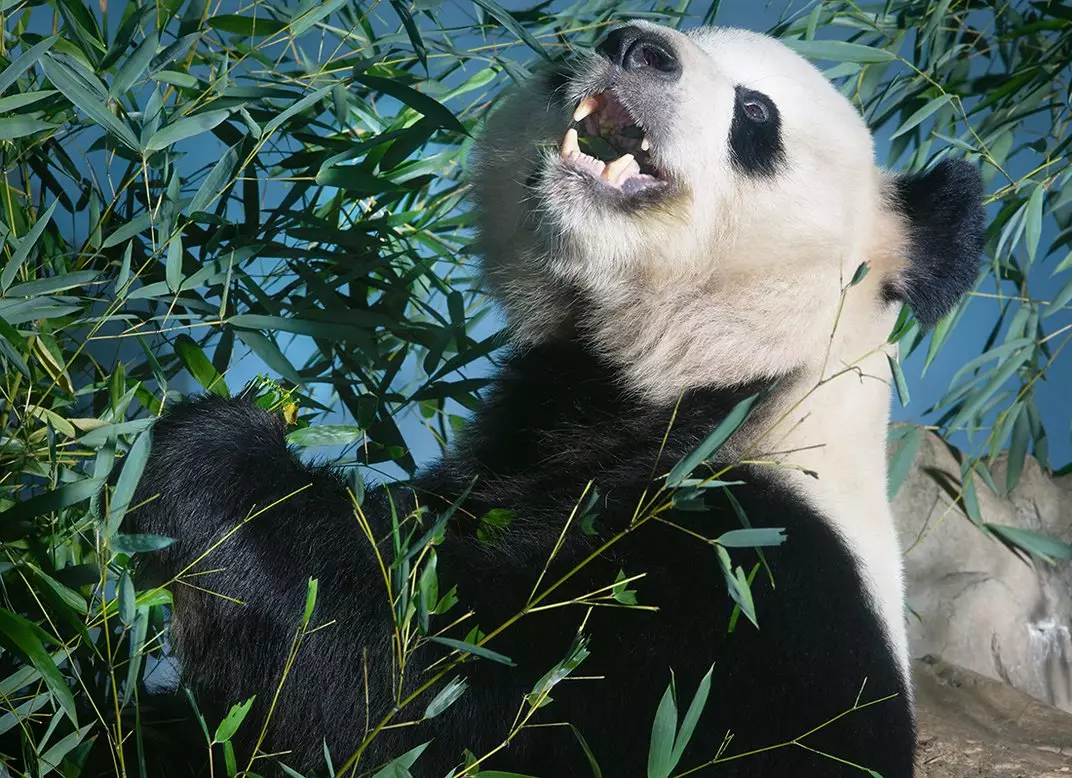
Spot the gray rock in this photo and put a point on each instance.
(974, 602)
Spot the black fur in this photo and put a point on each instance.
(756, 147)
(555, 420)
(944, 210)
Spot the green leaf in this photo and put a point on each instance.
(1033, 542)
(898, 379)
(21, 126)
(860, 274)
(22, 99)
(53, 757)
(304, 19)
(711, 444)
(26, 245)
(63, 497)
(295, 109)
(28, 638)
(325, 435)
(429, 107)
(60, 283)
(65, 81)
(839, 51)
(134, 65)
(399, 766)
(129, 229)
(1061, 299)
(269, 352)
(216, 180)
(1021, 437)
(128, 480)
(232, 721)
(1003, 373)
(1033, 221)
(173, 262)
(920, 116)
(246, 25)
(127, 598)
(661, 748)
(185, 128)
(137, 544)
(750, 538)
(310, 601)
(200, 366)
(137, 651)
(475, 650)
(446, 697)
(25, 61)
(998, 352)
(509, 22)
(692, 716)
(903, 457)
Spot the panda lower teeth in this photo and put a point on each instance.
(616, 173)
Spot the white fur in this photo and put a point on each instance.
(736, 279)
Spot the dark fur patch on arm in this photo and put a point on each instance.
(944, 210)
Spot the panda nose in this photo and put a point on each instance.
(636, 50)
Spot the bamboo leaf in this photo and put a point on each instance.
(65, 81)
(663, 729)
(1033, 221)
(232, 721)
(921, 115)
(25, 61)
(898, 379)
(250, 26)
(29, 639)
(216, 181)
(475, 650)
(702, 453)
(188, 127)
(504, 18)
(26, 245)
(839, 51)
(135, 65)
(21, 126)
(128, 479)
(1033, 542)
(200, 367)
(325, 435)
(427, 106)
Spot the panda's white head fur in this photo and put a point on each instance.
(720, 253)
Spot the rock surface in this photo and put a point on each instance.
(977, 604)
(971, 726)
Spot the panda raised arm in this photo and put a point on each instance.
(711, 254)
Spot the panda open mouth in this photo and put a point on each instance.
(618, 150)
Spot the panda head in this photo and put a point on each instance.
(694, 205)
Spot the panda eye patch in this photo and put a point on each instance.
(756, 147)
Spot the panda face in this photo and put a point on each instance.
(694, 205)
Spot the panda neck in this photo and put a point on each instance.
(830, 441)
(826, 428)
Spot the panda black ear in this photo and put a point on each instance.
(943, 214)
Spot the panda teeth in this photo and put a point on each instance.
(587, 106)
(570, 145)
(645, 145)
(624, 165)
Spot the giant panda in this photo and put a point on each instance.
(741, 250)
